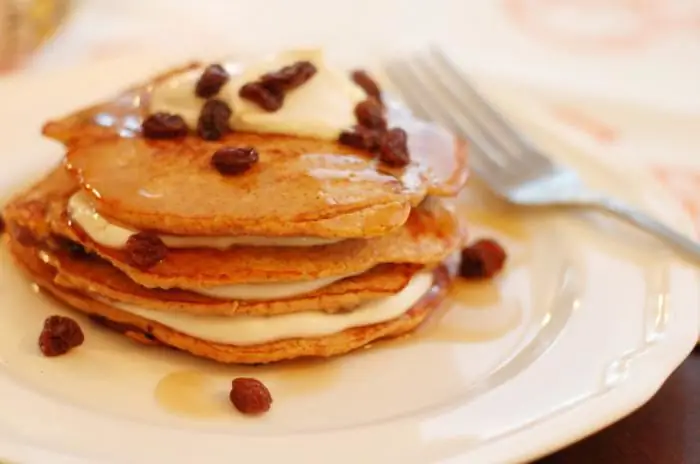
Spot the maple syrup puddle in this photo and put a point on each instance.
(190, 393)
(503, 223)
(474, 311)
(198, 394)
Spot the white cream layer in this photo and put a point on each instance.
(111, 235)
(321, 108)
(252, 330)
(83, 212)
(268, 291)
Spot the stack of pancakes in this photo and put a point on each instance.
(317, 250)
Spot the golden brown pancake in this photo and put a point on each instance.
(304, 187)
(93, 275)
(151, 332)
(430, 234)
(300, 186)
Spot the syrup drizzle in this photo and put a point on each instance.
(196, 394)
(475, 311)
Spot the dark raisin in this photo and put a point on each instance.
(368, 84)
(370, 114)
(234, 160)
(59, 335)
(266, 99)
(250, 396)
(393, 148)
(482, 259)
(288, 78)
(113, 325)
(268, 91)
(210, 82)
(23, 235)
(2, 225)
(145, 250)
(164, 126)
(76, 250)
(213, 120)
(360, 137)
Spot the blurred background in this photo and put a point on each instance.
(644, 51)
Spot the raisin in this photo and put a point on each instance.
(288, 78)
(393, 148)
(213, 120)
(164, 126)
(59, 335)
(266, 99)
(250, 396)
(268, 91)
(145, 250)
(210, 82)
(23, 235)
(234, 160)
(2, 225)
(370, 114)
(360, 137)
(76, 250)
(482, 259)
(361, 78)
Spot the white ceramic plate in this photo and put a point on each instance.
(586, 323)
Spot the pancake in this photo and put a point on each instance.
(300, 186)
(431, 233)
(151, 332)
(96, 276)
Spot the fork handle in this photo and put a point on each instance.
(651, 225)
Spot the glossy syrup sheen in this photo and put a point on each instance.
(300, 186)
(476, 311)
(191, 393)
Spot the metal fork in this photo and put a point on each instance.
(511, 166)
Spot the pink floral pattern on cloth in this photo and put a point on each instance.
(684, 184)
(646, 21)
(599, 130)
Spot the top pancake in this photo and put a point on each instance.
(300, 186)
(431, 233)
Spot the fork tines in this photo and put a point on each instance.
(436, 89)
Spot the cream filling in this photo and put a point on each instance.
(320, 108)
(268, 291)
(83, 212)
(253, 330)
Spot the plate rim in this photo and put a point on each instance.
(635, 393)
